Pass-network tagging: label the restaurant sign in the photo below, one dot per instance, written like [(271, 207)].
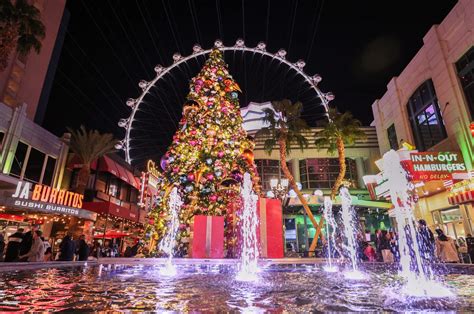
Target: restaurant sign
[(429, 166), (46, 199)]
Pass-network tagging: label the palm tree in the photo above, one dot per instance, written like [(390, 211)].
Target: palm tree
[(20, 26), (341, 130), (88, 146), (286, 129)]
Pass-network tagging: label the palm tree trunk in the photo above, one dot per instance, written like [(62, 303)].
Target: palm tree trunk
[(342, 167), (83, 178), (291, 179)]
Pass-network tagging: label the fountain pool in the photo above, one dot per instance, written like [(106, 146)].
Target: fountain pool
[(211, 286)]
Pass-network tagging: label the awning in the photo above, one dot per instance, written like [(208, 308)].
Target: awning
[(319, 201), (107, 164), (112, 234), (460, 198), (112, 209)]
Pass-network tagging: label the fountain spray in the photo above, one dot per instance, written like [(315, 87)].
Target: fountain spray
[(168, 243), (350, 231), (419, 278), (330, 232), (249, 223)]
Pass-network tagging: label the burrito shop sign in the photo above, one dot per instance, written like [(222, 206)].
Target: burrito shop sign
[(429, 166), (43, 198)]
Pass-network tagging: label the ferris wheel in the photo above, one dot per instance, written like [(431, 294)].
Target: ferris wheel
[(142, 126)]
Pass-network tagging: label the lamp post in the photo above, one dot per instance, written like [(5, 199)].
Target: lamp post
[(279, 187)]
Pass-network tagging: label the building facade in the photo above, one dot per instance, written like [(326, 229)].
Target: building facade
[(431, 106), (316, 170), (29, 79)]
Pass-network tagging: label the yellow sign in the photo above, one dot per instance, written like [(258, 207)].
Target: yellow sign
[(151, 168)]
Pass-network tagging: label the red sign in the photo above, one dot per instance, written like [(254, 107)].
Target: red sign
[(430, 166)]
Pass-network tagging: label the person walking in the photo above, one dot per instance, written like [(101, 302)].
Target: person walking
[(470, 246), (13, 246), (386, 249), (426, 240), (67, 248), (446, 250), (27, 242), (36, 252), (2, 245), (83, 248)]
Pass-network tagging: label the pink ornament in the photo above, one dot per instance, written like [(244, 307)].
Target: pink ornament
[(191, 177), (176, 170), (224, 110), (213, 198), (220, 154), (210, 177), (199, 82), (210, 103), (193, 132), (192, 143)]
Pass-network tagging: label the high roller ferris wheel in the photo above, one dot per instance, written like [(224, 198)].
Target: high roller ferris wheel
[(127, 144)]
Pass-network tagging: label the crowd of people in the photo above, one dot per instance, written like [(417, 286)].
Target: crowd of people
[(31, 246), (384, 246)]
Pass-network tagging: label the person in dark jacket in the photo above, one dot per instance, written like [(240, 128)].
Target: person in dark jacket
[(13, 246), (426, 240), (470, 246), (26, 244), (2, 245), (83, 248), (67, 248)]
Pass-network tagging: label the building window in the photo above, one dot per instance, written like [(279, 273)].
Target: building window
[(321, 173), (49, 171), (392, 137), (35, 165), (425, 117), (465, 67), (269, 169), (2, 136), (19, 160)]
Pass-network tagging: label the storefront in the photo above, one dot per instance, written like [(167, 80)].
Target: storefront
[(299, 231), (55, 211), (445, 196)]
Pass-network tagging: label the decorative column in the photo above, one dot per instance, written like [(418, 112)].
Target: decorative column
[(360, 172), (295, 169), (12, 137)]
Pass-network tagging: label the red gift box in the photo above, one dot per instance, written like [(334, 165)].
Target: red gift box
[(208, 237), (270, 228)]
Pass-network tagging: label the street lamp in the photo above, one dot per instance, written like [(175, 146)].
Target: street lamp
[(279, 187)]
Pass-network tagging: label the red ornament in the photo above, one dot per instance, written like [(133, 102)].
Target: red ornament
[(191, 177)]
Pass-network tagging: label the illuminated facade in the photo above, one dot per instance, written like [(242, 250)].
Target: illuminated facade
[(430, 105)]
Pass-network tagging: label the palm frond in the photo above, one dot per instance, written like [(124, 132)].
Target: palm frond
[(90, 145)]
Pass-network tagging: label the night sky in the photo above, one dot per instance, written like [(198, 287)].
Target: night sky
[(356, 46)]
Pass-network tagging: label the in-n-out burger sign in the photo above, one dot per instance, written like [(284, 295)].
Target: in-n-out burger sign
[(47, 194), (435, 165)]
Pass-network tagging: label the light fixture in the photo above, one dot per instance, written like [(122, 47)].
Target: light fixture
[(279, 187)]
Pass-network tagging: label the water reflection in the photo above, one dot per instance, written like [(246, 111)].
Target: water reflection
[(288, 288)]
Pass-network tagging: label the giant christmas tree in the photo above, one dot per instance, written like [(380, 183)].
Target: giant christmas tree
[(208, 156)]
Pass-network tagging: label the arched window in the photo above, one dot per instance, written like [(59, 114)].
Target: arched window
[(425, 117)]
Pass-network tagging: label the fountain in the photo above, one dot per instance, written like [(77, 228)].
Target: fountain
[(419, 278), (248, 267), (330, 232), (350, 232), (168, 242)]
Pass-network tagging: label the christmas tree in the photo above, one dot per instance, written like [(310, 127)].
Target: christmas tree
[(208, 156)]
